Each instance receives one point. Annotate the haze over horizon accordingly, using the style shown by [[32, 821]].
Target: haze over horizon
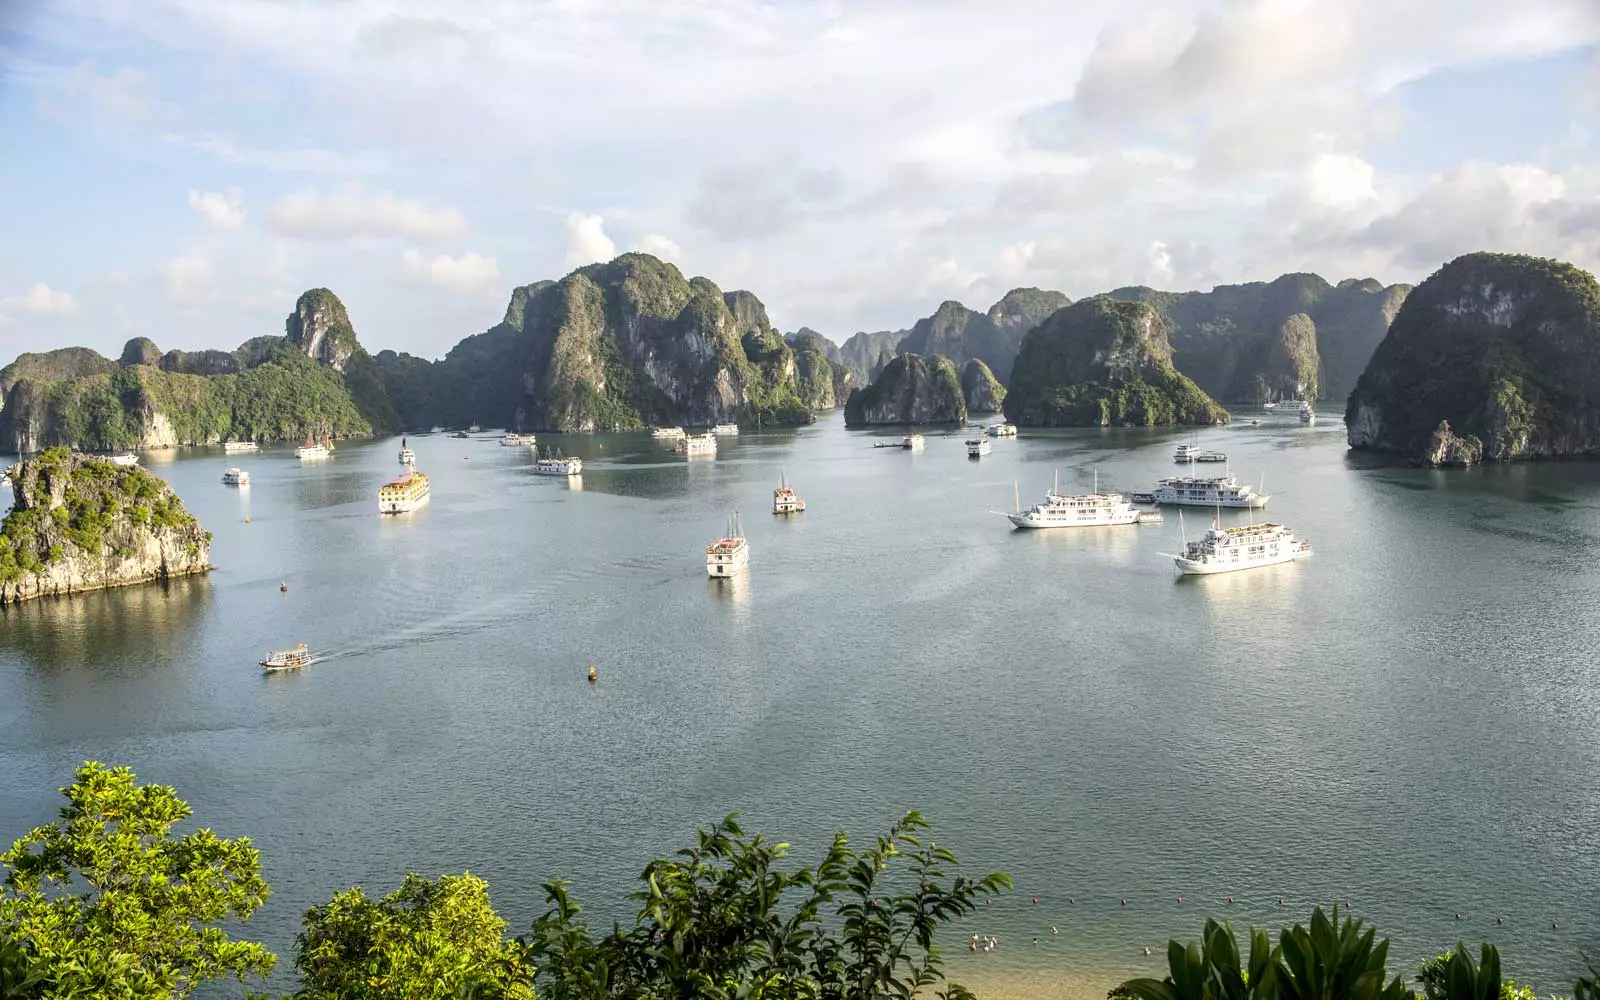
[[183, 169]]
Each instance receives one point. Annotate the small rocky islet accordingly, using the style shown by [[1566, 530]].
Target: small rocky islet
[[80, 523]]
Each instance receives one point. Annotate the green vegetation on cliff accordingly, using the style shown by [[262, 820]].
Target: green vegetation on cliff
[[1231, 340], [68, 506], [994, 337], [53, 366], [911, 389], [1103, 362], [283, 399], [1500, 352], [981, 390], [820, 379], [613, 346]]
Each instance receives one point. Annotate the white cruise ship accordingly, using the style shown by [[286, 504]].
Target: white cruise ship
[[1086, 510], [1003, 430], [555, 465], [513, 441], [1202, 491], [240, 447], [1224, 550], [407, 456], [236, 477], [700, 444], [125, 459], [978, 447], [726, 430], [406, 492], [1307, 414], [668, 433], [729, 555]]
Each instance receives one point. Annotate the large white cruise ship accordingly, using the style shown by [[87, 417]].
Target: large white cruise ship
[[1208, 491], [1225, 550], [1082, 510], [406, 492]]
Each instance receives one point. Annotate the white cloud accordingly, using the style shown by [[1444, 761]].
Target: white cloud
[[190, 279], [660, 246], [350, 212], [468, 273], [298, 159], [587, 241], [38, 300], [124, 94], [223, 209], [1339, 181]]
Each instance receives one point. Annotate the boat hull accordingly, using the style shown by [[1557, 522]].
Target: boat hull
[[1253, 503], [404, 506], [1024, 520], [1192, 567]]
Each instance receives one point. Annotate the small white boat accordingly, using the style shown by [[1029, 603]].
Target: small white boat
[[730, 554], [286, 659], [125, 459], [783, 499], [978, 447], [513, 441], [407, 456], [473, 428], [1215, 491], [726, 430], [240, 447], [1003, 430], [914, 442], [313, 448], [1307, 414], [236, 477], [668, 433], [699, 444], [1150, 515], [555, 465], [1210, 456]]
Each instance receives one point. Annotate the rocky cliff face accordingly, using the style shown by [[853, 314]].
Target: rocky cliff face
[[1102, 362], [320, 328], [981, 390], [80, 523], [820, 378], [862, 352], [910, 390], [1249, 343], [1494, 357], [614, 346], [140, 351], [961, 334]]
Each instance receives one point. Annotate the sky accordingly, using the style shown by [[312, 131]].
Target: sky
[[183, 169]]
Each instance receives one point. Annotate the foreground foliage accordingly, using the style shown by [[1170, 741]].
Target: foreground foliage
[[717, 921], [109, 902]]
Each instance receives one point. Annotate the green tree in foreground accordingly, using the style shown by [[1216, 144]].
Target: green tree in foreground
[[428, 940], [111, 904], [722, 920], [21, 978]]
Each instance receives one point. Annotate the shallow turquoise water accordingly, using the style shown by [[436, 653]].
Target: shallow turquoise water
[[1409, 721]]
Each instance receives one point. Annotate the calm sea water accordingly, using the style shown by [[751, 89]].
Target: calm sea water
[[1410, 721]]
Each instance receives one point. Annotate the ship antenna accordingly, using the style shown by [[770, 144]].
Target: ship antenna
[[1182, 531], [1016, 495]]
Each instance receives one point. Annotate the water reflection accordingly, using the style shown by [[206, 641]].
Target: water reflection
[[139, 625], [733, 590], [575, 484]]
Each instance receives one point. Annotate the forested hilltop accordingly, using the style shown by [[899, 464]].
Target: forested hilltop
[[632, 343]]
